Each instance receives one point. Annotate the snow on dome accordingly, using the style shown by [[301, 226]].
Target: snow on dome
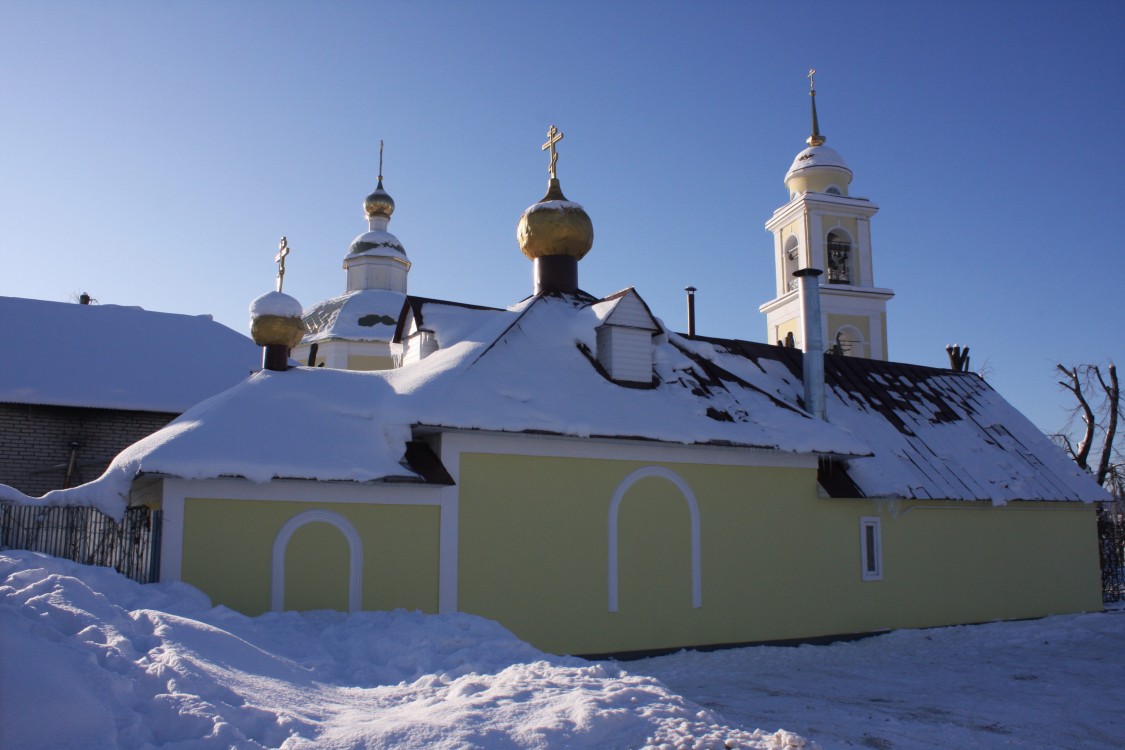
[[377, 242], [275, 303], [554, 206], [555, 226], [817, 156]]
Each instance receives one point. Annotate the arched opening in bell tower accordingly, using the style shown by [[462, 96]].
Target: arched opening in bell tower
[[791, 262], [839, 258]]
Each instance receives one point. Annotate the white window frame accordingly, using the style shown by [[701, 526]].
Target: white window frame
[[869, 572]]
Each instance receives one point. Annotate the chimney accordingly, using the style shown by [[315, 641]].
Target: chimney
[[813, 343], [690, 309]]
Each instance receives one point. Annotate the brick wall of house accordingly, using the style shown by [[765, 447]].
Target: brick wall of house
[[35, 442]]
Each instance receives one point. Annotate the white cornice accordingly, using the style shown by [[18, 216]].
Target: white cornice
[[821, 203], [862, 292], [779, 302], [829, 292]]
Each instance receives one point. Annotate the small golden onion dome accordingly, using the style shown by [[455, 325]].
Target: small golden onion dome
[[379, 203], [275, 319], [555, 226]]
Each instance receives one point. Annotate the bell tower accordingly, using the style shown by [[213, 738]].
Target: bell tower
[[824, 227], [355, 331]]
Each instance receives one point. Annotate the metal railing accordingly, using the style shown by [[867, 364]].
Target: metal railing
[[1111, 548], [88, 536]]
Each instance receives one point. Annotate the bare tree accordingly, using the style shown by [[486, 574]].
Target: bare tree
[[1098, 408]]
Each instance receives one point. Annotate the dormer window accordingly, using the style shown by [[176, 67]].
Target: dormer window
[[624, 338], [839, 258]]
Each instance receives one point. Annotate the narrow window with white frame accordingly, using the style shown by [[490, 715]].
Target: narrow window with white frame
[[871, 548]]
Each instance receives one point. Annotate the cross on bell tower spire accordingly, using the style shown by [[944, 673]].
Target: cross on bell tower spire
[[380, 185]]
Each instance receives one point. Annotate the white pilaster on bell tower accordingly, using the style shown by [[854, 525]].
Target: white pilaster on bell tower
[[824, 227]]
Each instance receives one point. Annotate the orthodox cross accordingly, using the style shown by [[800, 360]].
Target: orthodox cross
[[282, 251], [812, 83], [553, 137], [380, 161]]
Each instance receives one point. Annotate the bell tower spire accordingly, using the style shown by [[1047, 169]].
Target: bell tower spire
[[816, 139], [823, 227]]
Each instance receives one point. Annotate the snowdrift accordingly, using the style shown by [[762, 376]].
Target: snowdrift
[[90, 659]]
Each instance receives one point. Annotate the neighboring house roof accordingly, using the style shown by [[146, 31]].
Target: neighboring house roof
[[934, 433], [113, 357]]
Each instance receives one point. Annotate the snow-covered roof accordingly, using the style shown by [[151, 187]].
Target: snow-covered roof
[[817, 156], [362, 315], [892, 430], [934, 433], [114, 357], [527, 369], [450, 322]]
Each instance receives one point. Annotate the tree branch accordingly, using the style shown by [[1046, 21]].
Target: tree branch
[[1075, 386], [1113, 400]]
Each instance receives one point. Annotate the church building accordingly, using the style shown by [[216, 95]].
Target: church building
[[601, 484]]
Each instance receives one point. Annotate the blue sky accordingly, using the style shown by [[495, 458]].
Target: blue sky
[[154, 153]]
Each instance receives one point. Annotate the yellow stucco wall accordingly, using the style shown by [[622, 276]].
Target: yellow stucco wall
[[228, 552], [778, 562], [861, 323], [847, 223], [316, 568], [818, 182], [793, 325]]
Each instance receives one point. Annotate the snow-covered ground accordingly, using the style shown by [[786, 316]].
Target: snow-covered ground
[[91, 660], [1052, 683]]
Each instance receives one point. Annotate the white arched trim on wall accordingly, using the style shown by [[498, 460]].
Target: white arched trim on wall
[[615, 505], [840, 231], [355, 555]]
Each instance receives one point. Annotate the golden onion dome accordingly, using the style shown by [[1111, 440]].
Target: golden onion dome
[[379, 203], [275, 319], [555, 226]]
